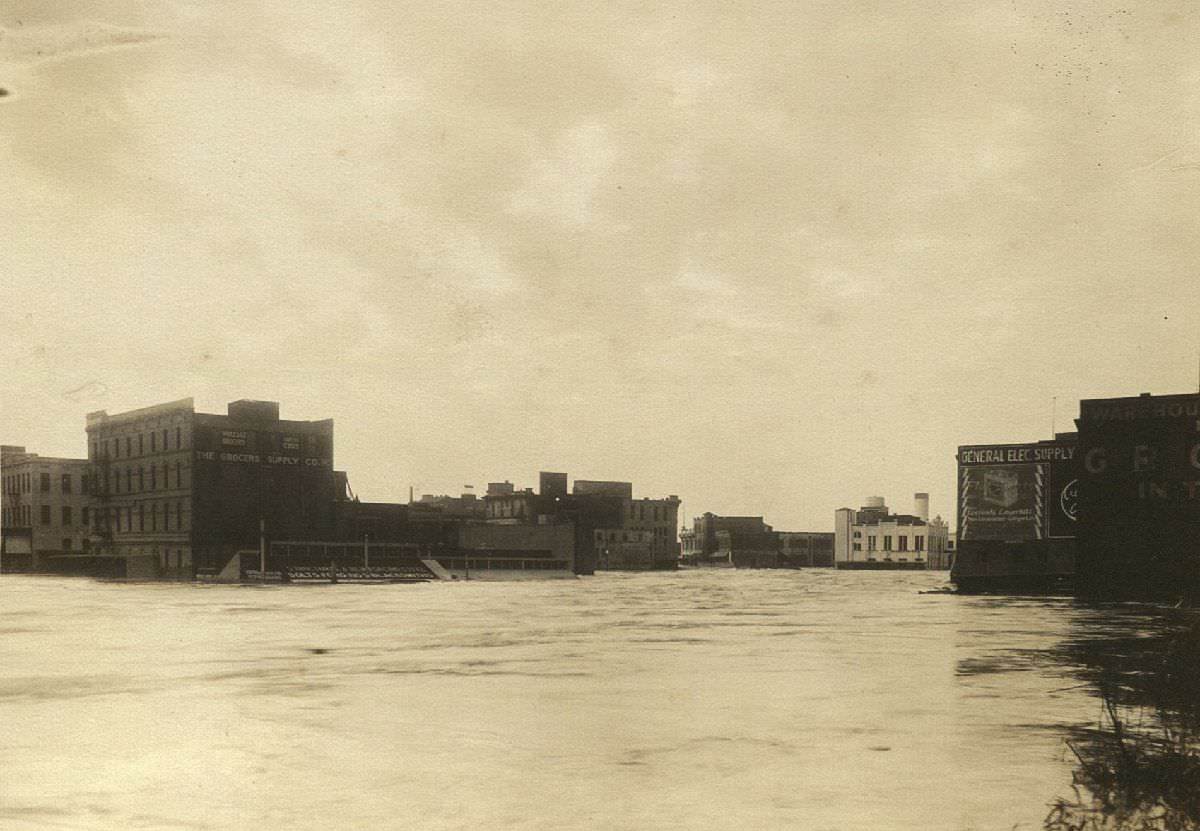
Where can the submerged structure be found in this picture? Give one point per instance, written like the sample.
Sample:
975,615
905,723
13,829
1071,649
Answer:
1017,516
1139,496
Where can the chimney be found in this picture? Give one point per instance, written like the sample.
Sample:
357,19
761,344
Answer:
921,505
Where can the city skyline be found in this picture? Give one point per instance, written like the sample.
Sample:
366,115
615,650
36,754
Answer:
773,259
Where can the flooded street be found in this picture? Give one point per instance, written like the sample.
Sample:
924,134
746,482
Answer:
698,699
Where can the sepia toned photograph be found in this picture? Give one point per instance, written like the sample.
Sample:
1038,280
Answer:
600,416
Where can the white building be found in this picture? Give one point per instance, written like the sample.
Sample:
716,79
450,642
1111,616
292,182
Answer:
872,537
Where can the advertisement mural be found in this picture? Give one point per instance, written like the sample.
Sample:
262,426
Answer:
1017,492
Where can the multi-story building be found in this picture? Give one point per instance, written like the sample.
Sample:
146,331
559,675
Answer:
873,537
44,507
1139,496
178,492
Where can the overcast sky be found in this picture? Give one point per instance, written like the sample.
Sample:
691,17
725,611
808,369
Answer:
770,257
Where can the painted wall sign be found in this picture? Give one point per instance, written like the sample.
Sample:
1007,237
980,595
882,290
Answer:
1017,492
257,458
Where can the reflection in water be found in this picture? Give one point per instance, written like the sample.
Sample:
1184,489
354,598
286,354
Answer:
1140,767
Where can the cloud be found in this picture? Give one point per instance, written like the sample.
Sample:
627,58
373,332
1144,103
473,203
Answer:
29,45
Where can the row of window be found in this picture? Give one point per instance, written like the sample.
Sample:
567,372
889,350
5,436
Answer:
22,515
147,515
619,536
23,483
918,543
145,476
154,440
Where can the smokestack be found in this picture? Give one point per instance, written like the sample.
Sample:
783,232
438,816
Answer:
921,505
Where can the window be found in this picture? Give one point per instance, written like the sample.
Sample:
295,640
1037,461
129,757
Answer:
128,446
114,448
66,515
887,542
154,442
164,438
903,542
66,544
179,515
919,543
871,543
142,516
45,515
858,546
66,483
45,482
166,516
153,477
857,534
141,444
141,479
178,439
154,516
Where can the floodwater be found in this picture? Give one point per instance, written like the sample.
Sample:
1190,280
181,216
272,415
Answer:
701,699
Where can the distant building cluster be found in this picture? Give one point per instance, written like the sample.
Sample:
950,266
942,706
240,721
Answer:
748,542
166,491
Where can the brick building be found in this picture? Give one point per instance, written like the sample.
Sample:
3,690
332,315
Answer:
44,507
179,492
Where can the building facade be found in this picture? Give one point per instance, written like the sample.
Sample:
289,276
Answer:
1139,496
811,549
45,508
1017,510
873,537
179,492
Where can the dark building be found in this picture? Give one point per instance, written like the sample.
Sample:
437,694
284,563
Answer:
1139,496
178,492
744,533
749,542
612,530
1017,516
812,549
552,484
